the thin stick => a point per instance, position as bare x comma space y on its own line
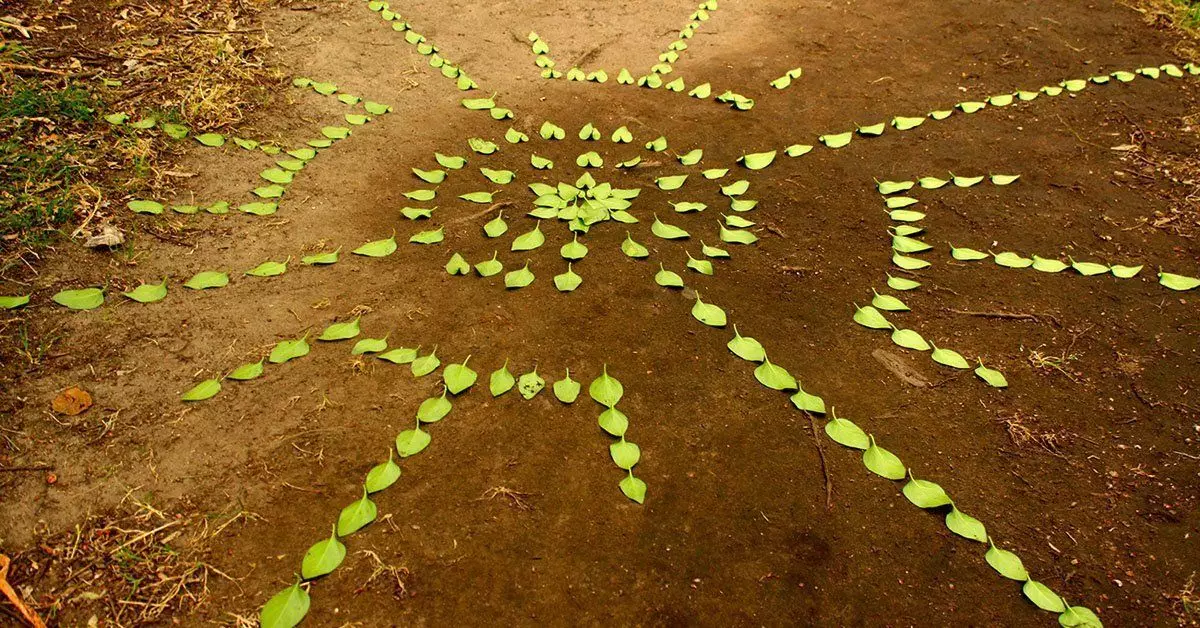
824, 468
33, 467
30, 616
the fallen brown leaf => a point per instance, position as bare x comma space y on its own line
72, 401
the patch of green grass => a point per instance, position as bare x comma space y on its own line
38, 162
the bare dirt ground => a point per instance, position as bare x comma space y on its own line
1086, 466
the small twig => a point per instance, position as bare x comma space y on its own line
812, 423
35, 467
1018, 316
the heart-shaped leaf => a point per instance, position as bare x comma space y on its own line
430, 176
671, 183
902, 123
871, 130
513, 136
606, 390
529, 240
321, 259
736, 188
666, 231
971, 106
704, 267
614, 422
883, 462
401, 355
211, 139
206, 389
145, 207
633, 249
836, 140
458, 265
434, 409
323, 557
657, 145
208, 279
1125, 272
953, 359
1087, 269
909, 339
340, 331
1047, 265
966, 254
246, 372
808, 402
757, 161
477, 197
573, 250
487, 268
625, 454
412, 442
902, 284
965, 525
1012, 260
285, 609
870, 318
432, 236
496, 227
1177, 282
1078, 616
888, 302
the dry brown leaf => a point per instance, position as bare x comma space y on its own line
72, 401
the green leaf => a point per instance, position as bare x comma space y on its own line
965, 182
477, 197
206, 389
902, 284
808, 402
476, 104
971, 106
285, 609
844, 432
412, 442
836, 140
185, 209
568, 281
909, 339
452, 162
321, 259
551, 131
357, 515
458, 265
430, 176
965, 525
888, 303
715, 173
335, 132
757, 161
268, 269
530, 384
421, 195
657, 145
246, 372
892, 187
634, 488
287, 350
434, 409
736, 188
1087, 269
966, 255
217, 208
501, 381
529, 240
704, 267
1012, 260
953, 359
1047, 265
1125, 272
614, 422
1177, 282
208, 279
567, 389
175, 131
459, 377
925, 494
211, 139
573, 250
942, 114
400, 355
116, 119
1006, 563
798, 150
519, 278
340, 331
746, 348
883, 462
490, 267
432, 236
671, 183
323, 557
707, 313
703, 90
378, 248
774, 377
425, 365
667, 279
145, 293
625, 454
369, 345
871, 130
376, 109
144, 124
712, 251
1000, 100
633, 249
269, 191
1043, 597
606, 390
14, 302
1004, 179
496, 227
145, 207
513, 136
994, 378
870, 318
1078, 616
666, 231
901, 123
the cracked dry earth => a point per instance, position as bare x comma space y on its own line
1085, 466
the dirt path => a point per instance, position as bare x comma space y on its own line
1084, 466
